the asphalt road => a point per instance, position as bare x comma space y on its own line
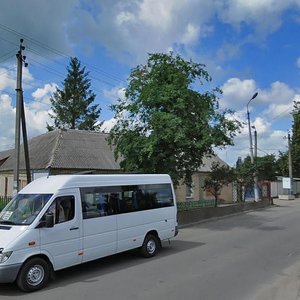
254, 255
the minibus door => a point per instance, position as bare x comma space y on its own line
63, 241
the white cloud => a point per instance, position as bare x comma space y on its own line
279, 110
36, 112
114, 94
271, 105
125, 17
157, 14
32, 18
108, 125
191, 34
7, 78
278, 93
266, 15
268, 142
237, 92
44, 94
7, 116
131, 29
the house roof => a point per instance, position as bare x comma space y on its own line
209, 160
65, 149
74, 149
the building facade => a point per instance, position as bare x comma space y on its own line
79, 151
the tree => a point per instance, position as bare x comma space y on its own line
295, 142
71, 105
282, 166
165, 125
265, 168
245, 171
220, 175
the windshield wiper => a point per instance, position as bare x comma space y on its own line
8, 222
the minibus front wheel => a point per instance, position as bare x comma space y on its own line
34, 275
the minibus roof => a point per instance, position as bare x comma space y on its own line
51, 184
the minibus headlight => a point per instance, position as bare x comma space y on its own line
4, 256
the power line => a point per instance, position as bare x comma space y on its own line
60, 53
7, 56
9, 69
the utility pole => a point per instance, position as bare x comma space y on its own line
290, 164
256, 196
25, 142
19, 115
255, 142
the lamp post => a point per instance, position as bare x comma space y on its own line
251, 147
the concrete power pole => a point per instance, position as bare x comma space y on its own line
255, 142
19, 115
290, 164
256, 194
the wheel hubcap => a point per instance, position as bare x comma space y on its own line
35, 275
151, 246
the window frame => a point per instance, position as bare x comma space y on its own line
138, 198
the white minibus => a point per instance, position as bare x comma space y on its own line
59, 221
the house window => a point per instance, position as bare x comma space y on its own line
189, 191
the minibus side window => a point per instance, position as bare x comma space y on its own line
63, 209
103, 201
155, 196
98, 202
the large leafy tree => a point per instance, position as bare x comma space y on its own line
72, 105
296, 140
168, 121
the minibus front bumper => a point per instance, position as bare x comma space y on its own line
9, 273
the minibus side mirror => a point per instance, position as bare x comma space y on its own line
49, 219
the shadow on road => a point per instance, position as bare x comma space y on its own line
88, 272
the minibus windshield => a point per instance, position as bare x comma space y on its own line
23, 209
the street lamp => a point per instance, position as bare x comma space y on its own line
251, 147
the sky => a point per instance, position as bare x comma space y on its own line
247, 47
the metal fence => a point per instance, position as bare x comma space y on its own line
4, 201
189, 205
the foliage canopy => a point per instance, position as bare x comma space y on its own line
220, 176
165, 124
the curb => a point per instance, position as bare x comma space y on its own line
216, 218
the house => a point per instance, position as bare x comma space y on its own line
79, 151
59, 152
195, 191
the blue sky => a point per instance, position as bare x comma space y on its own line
247, 47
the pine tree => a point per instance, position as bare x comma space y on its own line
71, 105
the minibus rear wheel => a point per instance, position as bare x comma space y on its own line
150, 246
34, 275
